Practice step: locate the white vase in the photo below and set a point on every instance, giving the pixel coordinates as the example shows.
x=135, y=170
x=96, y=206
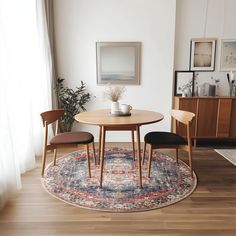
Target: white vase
x=114, y=107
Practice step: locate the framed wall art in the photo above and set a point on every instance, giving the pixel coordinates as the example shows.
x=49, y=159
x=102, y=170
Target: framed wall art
x=202, y=54
x=118, y=62
x=228, y=55
x=184, y=83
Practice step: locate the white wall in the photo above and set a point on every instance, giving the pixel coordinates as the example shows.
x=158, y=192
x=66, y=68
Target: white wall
x=199, y=19
x=80, y=23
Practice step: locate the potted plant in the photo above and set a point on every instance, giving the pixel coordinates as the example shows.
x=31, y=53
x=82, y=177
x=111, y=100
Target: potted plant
x=72, y=101
x=114, y=93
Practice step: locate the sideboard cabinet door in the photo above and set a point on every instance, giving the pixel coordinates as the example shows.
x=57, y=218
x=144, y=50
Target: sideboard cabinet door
x=232, y=130
x=224, y=117
x=207, y=117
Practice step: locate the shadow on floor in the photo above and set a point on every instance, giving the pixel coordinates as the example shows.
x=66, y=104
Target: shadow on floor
x=217, y=143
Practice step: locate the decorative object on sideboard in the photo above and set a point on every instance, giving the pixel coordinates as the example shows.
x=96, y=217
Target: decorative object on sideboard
x=184, y=83
x=114, y=93
x=72, y=101
x=217, y=81
x=195, y=81
x=206, y=89
x=203, y=89
x=210, y=88
x=202, y=54
x=231, y=83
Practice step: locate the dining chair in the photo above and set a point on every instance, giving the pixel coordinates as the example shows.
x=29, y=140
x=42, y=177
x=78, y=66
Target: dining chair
x=171, y=140
x=64, y=140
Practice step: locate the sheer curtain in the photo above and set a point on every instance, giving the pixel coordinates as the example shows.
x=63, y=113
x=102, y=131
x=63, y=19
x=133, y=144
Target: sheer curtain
x=25, y=88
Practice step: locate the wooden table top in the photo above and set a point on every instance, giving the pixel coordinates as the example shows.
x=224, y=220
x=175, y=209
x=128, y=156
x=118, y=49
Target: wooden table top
x=104, y=118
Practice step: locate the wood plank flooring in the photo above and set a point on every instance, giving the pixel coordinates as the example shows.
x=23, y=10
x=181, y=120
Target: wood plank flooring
x=210, y=210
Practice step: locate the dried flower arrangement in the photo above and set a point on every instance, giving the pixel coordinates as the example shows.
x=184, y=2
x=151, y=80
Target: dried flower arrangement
x=114, y=93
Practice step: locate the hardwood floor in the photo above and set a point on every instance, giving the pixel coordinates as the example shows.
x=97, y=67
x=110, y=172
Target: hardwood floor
x=210, y=210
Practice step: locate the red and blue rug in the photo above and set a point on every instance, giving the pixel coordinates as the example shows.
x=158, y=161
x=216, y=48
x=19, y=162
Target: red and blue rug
x=169, y=182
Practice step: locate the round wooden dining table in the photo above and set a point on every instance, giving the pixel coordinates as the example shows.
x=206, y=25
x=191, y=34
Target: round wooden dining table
x=108, y=122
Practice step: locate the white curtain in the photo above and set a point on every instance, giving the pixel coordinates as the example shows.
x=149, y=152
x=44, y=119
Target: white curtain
x=25, y=88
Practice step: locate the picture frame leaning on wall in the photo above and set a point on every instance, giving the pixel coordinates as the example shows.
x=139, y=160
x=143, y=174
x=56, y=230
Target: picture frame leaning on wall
x=202, y=54
x=184, y=83
x=228, y=55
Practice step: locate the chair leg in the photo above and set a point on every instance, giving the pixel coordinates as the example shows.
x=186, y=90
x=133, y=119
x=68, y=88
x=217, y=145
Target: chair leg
x=88, y=160
x=144, y=151
x=54, y=156
x=149, y=160
x=132, y=132
x=43, y=160
x=177, y=155
x=94, y=154
x=190, y=161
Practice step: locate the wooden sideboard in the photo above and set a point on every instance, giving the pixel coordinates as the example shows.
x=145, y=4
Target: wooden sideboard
x=215, y=116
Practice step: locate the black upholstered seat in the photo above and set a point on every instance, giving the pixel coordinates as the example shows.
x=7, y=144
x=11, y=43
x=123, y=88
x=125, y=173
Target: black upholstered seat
x=164, y=138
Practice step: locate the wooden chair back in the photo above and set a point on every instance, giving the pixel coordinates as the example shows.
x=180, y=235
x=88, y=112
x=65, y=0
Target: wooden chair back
x=49, y=117
x=184, y=117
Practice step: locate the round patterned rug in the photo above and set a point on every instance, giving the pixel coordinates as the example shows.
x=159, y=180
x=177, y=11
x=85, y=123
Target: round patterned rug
x=169, y=182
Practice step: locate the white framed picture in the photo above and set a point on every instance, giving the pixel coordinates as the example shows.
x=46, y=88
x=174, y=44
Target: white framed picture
x=118, y=62
x=202, y=54
x=228, y=55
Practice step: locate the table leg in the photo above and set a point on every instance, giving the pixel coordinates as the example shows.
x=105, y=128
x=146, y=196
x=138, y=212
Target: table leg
x=99, y=144
x=139, y=155
x=103, y=136
x=132, y=131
